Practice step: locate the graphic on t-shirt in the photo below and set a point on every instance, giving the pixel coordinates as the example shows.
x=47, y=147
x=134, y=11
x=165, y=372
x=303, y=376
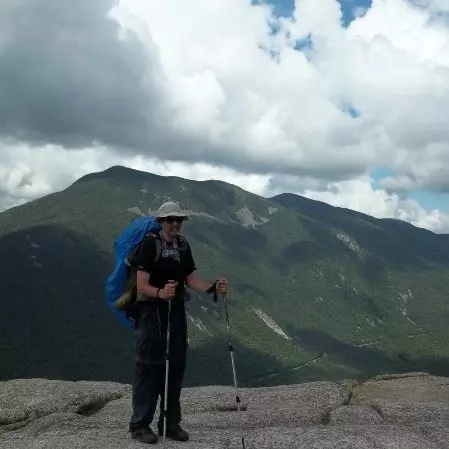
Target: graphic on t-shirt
x=170, y=253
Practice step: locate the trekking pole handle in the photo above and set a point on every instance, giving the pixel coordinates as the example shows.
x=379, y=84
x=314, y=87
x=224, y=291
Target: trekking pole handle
x=171, y=281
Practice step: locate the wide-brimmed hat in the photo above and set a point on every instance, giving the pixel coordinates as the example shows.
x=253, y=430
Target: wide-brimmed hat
x=171, y=209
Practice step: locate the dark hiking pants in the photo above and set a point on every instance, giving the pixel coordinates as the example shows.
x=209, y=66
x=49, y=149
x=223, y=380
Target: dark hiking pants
x=149, y=386
x=149, y=370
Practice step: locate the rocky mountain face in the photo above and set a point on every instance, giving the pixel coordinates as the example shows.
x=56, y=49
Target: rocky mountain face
x=316, y=292
x=391, y=412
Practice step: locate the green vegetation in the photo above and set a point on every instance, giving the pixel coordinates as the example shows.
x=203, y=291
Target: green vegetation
x=354, y=295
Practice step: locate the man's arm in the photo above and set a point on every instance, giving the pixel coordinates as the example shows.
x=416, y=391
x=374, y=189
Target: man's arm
x=143, y=285
x=197, y=284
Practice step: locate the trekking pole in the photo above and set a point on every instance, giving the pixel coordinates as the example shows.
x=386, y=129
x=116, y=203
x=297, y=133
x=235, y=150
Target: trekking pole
x=167, y=353
x=231, y=351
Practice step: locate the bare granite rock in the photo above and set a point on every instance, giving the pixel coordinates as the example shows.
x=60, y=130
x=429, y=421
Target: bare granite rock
x=388, y=413
x=355, y=414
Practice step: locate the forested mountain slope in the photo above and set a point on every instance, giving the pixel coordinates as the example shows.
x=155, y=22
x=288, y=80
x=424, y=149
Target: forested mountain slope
x=316, y=292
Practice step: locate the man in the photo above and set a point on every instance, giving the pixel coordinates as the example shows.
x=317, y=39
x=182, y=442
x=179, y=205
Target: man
x=175, y=263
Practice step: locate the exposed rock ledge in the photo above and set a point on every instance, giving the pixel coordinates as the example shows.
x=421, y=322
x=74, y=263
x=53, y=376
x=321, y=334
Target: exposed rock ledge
x=394, y=412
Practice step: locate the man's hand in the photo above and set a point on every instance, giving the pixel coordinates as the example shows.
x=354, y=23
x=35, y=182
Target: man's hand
x=222, y=286
x=168, y=291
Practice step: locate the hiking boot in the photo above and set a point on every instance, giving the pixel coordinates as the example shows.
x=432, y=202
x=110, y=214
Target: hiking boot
x=176, y=433
x=144, y=436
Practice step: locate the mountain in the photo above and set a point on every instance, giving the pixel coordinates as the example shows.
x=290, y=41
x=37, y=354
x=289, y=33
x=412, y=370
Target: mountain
x=316, y=292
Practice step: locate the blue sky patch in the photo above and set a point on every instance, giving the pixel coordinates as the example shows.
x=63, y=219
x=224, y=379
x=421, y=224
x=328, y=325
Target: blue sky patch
x=428, y=199
x=284, y=8
x=379, y=173
x=352, y=111
x=431, y=200
x=304, y=44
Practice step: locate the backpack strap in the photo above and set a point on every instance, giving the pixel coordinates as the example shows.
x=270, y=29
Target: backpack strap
x=182, y=243
x=158, y=243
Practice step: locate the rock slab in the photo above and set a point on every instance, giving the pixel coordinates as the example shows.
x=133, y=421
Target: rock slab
x=399, y=412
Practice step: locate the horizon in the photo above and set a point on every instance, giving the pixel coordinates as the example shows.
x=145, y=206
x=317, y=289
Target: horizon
x=228, y=182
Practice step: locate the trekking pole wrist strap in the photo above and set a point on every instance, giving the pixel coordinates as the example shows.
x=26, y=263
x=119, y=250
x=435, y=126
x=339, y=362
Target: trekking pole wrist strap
x=213, y=289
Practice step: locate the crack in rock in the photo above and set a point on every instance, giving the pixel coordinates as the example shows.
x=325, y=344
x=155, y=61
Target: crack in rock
x=38, y=398
x=231, y=408
x=93, y=407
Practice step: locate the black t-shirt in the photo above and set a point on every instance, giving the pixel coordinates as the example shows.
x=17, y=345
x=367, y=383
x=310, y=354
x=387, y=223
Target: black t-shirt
x=173, y=263
x=150, y=334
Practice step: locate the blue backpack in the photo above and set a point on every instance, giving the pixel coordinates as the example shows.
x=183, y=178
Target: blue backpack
x=127, y=243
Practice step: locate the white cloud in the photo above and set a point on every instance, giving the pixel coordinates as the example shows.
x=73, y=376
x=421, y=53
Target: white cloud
x=359, y=195
x=27, y=173
x=435, y=6
x=285, y=114
x=252, y=111
x=247, y=108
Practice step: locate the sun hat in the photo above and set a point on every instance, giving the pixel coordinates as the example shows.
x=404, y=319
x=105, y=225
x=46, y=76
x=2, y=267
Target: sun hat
x=171, y=209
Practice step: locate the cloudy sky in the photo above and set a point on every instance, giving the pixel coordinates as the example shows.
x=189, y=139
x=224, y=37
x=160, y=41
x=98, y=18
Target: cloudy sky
x=345, y=102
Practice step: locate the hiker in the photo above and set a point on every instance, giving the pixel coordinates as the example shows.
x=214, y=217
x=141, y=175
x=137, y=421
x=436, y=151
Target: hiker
x=153, y=293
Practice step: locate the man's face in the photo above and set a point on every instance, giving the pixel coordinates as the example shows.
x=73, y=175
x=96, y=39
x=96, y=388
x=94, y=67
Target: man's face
x=172, y=225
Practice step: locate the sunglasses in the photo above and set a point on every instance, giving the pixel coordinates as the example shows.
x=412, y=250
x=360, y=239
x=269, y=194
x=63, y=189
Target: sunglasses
x=171, y=220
